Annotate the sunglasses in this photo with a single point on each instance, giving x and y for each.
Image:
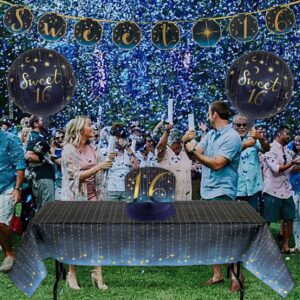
(59, 138)
(240, 125)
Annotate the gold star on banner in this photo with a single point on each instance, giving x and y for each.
(261, 62)
(36, 60)
(247, 63)
(270, 70)
(11, 80)
(232, 72)
(47, 64)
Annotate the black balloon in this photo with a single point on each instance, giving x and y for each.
(41, 82)
(259, 84)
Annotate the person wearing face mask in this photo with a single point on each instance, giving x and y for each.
(295, 183)
(122, 163)
(172, 156)
(219, 153)
(250, 181)
(277, 191)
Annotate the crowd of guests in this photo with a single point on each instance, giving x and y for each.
(231, 161)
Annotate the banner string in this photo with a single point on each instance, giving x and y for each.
(152, 22)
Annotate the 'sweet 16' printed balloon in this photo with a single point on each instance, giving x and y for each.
(259, 84)
(41, 82)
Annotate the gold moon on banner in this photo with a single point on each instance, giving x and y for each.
(243, 27)
(165, 35)
(88, 32)
(280, 20)
(127, 35)
(206, 33)
(18, 19)
(52, 27)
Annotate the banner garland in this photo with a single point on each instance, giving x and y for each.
(280, 20)
(127, 35)
(243, 28)
(206, 33)
(88, 32)
(165, 34)
(52, 27)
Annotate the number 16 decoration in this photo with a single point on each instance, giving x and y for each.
(150, 185)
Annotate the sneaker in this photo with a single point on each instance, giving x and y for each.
(7, 263)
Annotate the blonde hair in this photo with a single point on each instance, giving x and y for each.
(74, 129)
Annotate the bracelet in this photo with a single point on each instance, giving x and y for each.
(17, 188)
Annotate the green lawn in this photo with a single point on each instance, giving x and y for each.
(165, 283)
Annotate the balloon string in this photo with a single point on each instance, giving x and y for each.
(176, 21)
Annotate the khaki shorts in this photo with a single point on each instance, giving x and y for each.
(6, 207)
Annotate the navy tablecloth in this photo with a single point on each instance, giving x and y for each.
(100, 233)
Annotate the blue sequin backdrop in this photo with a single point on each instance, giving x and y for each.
(119, 85)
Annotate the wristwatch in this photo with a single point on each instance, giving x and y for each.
(17, 188)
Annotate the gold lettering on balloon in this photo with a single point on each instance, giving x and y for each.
(246, 80)
(86, 35)
(256, 98)
(18, 16)
(125, 38)
(41, 95)
(46, 97)
(277, 23)
(51, 31)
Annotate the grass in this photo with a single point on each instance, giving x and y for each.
(167, 283)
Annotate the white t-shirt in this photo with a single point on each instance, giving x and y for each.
(181, 166)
